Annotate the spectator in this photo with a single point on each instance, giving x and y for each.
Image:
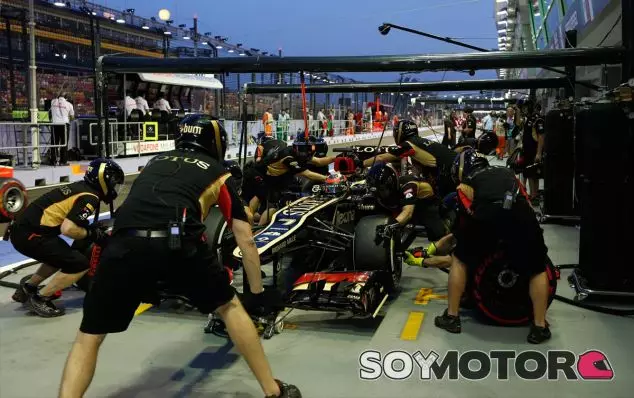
(141, 103)
(161, 104)
(323, 123)
(500, 131)
(449, 139)
(62, 112)
(282, 125)
(129, 103)
(512, 129)
(311, 122)
(487, 123)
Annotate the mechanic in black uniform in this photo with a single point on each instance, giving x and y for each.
(158, 234)
(469, 125)
(449, 139)
(433, 160)
(496, 214)
(64, 210)
(533, 143)
(412, 195)
(273, 173)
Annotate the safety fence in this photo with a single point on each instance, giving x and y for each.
(32, 145)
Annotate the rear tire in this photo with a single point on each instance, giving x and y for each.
(368, 256)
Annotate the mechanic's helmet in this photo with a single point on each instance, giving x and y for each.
(235, 170)
(487, 143)
(404, 130)
(466, 142)
(335, 183)
(303, 148)
(321, 146)
(203, 132)
(382, 178)
(264, 138)
(466, 163)
(106, 176)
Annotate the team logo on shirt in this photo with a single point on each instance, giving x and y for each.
(86, 212)
(409, 194)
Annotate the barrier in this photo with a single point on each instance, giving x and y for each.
(10, 132)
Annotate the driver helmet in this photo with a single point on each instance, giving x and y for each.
(404, 130)
(198, 131)
(382, 178)
(106, 176)
(466, 163)
(335, 182)
(303, 148)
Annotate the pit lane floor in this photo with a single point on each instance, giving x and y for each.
(166, 354)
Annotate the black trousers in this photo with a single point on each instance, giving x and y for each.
(58, 137)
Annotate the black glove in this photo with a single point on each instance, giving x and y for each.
(386, 231)
(263, 304)
(97, 233)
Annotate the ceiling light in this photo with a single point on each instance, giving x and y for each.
(501, 1)
(94, 13)
(230, 50)
(145, 27)
(167, 32)
(502, 22)
(242, 54)
(501, 31)
(186, 37)
(60, 4)
(219, 47)
(502, 13)
(120, 20)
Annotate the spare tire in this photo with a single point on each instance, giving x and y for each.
(502, 295)
(368, 256)
(13, 199)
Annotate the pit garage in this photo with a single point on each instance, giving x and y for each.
(374, 337)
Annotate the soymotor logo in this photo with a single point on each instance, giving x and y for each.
(477, 365)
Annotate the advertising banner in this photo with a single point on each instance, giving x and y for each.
(142, 148)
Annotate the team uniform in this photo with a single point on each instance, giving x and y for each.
(533, 129)
(434, 159)
(470, 123)
(415, 191)
(137, 256)
(35, 232)
(485, 223)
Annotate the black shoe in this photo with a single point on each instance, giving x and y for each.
(286, 391)
(448, 322)
(538, 334)
(44, 307)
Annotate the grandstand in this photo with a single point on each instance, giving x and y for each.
(68, 32)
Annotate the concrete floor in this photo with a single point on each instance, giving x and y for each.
(166, 353)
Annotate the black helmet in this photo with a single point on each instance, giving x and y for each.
(403, 130)
(487, 143)
(304, 148)
(466, 163)
(321, 146)
(104, 175)
(203, 132)
(383, 179)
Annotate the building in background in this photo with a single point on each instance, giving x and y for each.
(526, 25)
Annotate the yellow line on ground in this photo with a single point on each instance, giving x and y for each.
(425, 294)
(142, 308)
(412, 326)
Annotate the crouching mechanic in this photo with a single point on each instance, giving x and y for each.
(412, 195)
(495, 214)
(433, 160)
(64, 210)
(272, 174)
(158, 234)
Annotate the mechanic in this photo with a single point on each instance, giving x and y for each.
(469, 125)
(436, 255)
(433, 159)
(158, 234)
(533, 143)
(412, 195)
(273, 173)
(485, 143)
(495, 210)
(64, 210)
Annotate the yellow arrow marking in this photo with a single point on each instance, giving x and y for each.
(426, 294)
